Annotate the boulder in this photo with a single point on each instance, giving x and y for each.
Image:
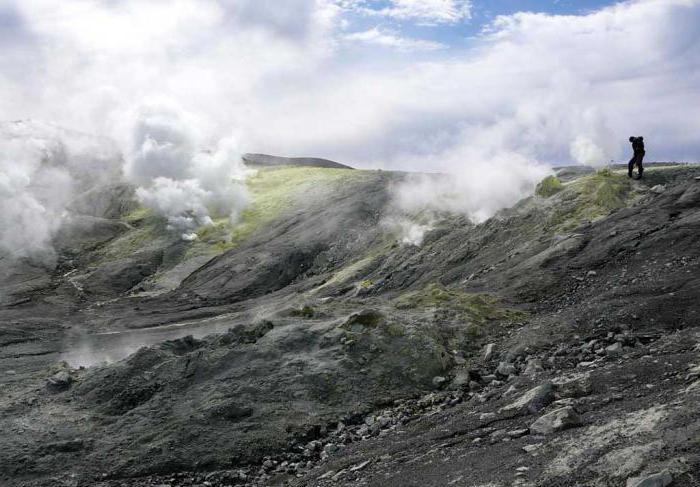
(614, 349)
(59, 382)
(661, 479)
(557, 420)
(533, 401)
(505, 369)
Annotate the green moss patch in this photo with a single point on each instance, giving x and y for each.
(477, 309)
(549, 186)
(272, 191)
(589, 198)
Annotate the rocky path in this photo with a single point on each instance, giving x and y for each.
(626, 416)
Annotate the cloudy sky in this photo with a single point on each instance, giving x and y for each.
(411, 84)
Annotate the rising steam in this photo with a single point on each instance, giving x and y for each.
(42, 168)
(180, 180)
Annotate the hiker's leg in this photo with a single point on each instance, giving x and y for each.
(630, 166)
(640, 168)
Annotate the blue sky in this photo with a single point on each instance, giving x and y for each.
(483, 12)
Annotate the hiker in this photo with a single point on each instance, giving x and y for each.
(638, 148)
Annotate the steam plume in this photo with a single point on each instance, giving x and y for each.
(177, 178)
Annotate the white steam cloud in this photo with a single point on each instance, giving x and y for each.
(491, 183)
(178, 178)
(42, 168)
(33, 196)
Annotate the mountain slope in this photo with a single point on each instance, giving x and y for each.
(321, 341)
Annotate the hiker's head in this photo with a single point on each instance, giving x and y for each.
(631, 139)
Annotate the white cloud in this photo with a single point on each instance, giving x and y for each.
(427, 12)
(391, 39)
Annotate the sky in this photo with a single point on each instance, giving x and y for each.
(429, 85)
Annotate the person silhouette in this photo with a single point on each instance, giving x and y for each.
(638, 149)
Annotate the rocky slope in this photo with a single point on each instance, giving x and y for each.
(556, 343)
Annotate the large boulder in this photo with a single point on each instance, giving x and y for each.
(557, 420)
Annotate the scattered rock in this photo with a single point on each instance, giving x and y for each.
(439, 381)
(557, 420)
(661, 479)
(658, 189)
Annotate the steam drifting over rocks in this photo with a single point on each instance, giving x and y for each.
(180, 180)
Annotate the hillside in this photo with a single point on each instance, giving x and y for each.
(554, 344)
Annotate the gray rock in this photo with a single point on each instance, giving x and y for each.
(658, 189)
(518, 433)
(614, 349)
(516, 352)
(661, 479)
(330, 448)
(461, 379)
(59, 382)
(577, 387)
(533, 367)
(439, 381)
(488, 351)
(533, 401)
(531, 448)
(557, 420)
(505, 369)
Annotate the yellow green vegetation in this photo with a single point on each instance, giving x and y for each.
(137, 215)
(272, 191)
(591, 197)
(475, 309)
(549, 186)
(148, 232)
